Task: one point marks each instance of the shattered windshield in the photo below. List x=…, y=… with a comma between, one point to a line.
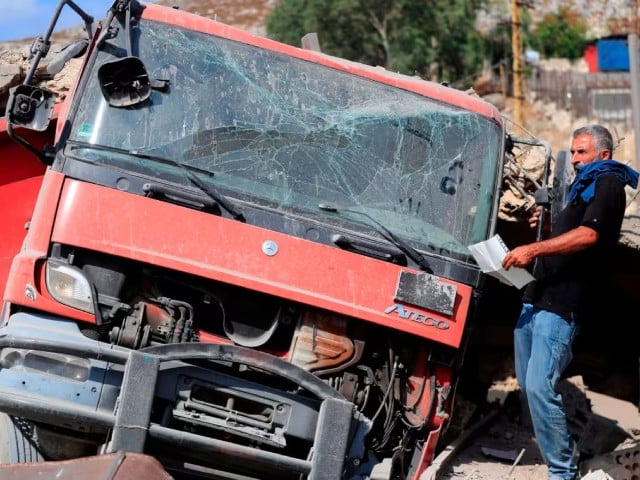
x=287, y=134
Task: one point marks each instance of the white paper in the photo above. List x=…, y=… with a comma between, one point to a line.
x=489, y=255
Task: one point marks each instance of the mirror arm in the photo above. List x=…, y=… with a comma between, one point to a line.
x=14, y=136
x=127, y=29
x=86, y=18
x=108, y=31
x=40, y=47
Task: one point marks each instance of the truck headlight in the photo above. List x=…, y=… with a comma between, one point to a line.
x=69, y=286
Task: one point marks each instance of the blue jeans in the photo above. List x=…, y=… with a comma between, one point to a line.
x=542, y=342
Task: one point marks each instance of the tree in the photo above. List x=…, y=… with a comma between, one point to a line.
x=561, y=34
x=432, y=38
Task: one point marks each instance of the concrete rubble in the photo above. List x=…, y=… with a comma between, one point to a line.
x=597, y=475
x=606, y=430
x=501, y=444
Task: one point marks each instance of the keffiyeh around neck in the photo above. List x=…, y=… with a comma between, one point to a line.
x=585, y=182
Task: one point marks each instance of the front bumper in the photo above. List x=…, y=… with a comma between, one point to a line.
x=124, y=388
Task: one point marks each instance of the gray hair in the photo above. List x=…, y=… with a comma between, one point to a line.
x=602, y=138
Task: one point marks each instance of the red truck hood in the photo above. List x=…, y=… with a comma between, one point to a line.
x=209, y=246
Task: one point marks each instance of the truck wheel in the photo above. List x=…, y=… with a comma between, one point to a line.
x=16, y=447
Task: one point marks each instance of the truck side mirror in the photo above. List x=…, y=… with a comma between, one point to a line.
x=124, y=82
x=563, y=173
x=30, y=107
x=542, y=197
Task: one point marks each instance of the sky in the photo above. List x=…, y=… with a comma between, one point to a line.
x=30, y=18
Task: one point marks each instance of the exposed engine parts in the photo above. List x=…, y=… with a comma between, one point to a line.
x=159, y=321
x=387, y=375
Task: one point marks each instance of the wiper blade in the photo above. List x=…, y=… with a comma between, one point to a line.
x=215, y=195
x=188, y=170
x=386, y=252
x=201, y=201
x=404, y=247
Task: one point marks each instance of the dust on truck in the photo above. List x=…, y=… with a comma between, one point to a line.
x=246, y=259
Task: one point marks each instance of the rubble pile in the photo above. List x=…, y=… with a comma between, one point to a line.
x=523, y=174
x=604, y=427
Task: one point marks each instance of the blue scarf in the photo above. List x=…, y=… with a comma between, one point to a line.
x=585, y=182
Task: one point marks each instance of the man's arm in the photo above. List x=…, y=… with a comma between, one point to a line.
x=572, y=241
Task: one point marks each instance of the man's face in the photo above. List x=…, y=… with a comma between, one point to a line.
x=583, y=151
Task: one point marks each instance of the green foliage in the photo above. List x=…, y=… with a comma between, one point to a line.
x=498, y=45
x=431, y=38
x=560, y=34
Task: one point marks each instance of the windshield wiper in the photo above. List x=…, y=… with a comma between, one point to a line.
x=188, y=170
x=200, y=201
x=215, y=195
x=385, y=233
x=386, y=252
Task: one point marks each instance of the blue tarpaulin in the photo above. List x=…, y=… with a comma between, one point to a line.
x=613, y=54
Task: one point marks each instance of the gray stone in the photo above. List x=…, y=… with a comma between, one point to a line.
x=597, y=475
x=10, y=75
x=620, y=464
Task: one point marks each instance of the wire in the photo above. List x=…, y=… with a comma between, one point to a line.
x=387, y=392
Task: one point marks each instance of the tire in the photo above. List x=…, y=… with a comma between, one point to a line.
x=15, y=446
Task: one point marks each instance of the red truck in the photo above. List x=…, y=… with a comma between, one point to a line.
x=246, y=259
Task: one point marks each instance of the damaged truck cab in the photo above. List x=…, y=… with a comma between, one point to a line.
x=246, y=259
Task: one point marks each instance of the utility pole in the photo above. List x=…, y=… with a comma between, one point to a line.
x=518, y=72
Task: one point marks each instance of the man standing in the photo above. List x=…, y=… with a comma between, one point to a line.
x=570, y=266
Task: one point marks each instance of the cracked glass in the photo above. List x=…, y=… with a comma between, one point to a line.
x=289, y=134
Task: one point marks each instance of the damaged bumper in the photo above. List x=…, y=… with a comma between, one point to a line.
x=182, y=400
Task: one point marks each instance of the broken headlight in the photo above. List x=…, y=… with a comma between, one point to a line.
x=69, y=286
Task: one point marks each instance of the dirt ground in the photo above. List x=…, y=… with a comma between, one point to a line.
x=493, y=454
x=499, y=444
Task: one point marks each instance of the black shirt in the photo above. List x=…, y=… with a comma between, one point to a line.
x=568, y=285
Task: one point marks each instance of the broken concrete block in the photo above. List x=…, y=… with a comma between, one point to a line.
x=501, y=389
x=597, y=475
x=621, y=464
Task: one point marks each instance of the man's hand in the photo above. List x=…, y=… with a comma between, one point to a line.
x=535, y=217
x=521, y=256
